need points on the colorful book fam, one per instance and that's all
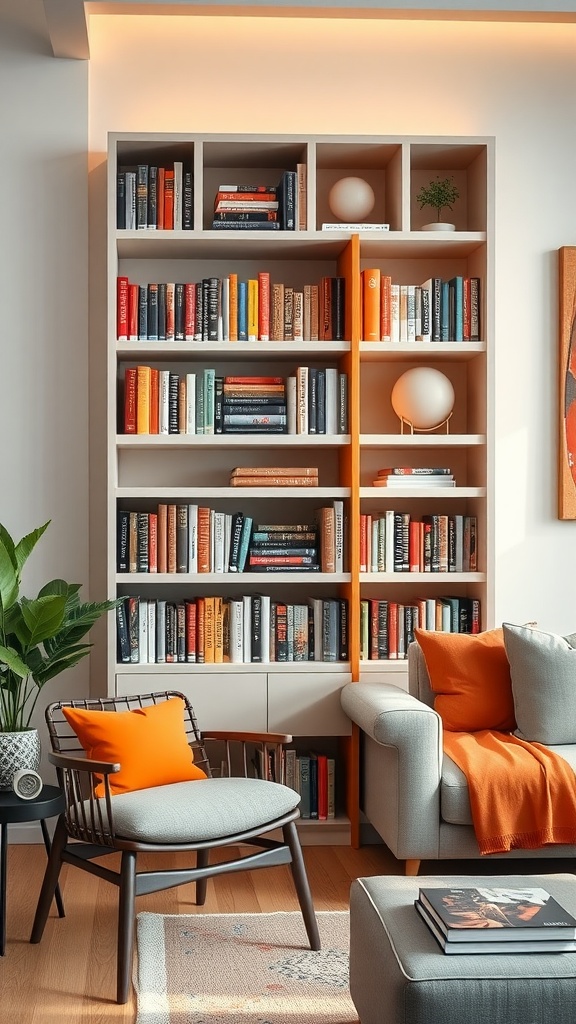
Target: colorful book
(501, 914)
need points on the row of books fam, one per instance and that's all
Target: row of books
(395, 541)
(496, 920)
(190, 538)
(249, 629)
(258, 207)
(149, 197)
(387, 627)
(312, 775)
(314, 400)
(229, 309)
(436, 310)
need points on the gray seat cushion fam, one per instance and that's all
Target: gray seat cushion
(208, 809)
(454, 797)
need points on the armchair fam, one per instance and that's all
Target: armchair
(194, 816)
(413, 794)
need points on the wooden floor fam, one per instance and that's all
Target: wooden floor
(69, 978)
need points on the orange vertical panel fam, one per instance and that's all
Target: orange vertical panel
(349, 268)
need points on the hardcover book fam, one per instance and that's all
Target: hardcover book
(514, 945)
(501, 914)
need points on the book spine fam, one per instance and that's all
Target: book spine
(130, 400)
(288, 321)
(188, 202)
(171, 541)
(123, 526)
(371, 288)
(142, 196)
(120, 200)
(264, 306)
(288, 186)
(122, 285)
(143, 400)
(182, 538)
(142, 313)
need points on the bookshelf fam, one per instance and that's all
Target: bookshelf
(145, 470)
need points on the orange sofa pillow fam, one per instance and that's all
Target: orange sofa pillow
(150, 743)
(471, 676)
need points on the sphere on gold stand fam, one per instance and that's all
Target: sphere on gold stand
(423, 399)
(351, 199)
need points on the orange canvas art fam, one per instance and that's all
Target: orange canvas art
(567, 362)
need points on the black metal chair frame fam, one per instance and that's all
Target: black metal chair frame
(86, 830)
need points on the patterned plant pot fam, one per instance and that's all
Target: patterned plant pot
(18, 750)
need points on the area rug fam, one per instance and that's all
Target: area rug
(242, 969)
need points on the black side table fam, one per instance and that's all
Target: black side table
(13, 809)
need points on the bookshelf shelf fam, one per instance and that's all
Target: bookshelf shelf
(274, 441)
(421, 440)
(434, 578)
(442, 493)
(232, 493)
(245, 579)
(143, 472)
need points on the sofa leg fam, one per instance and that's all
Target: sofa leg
(412, 867)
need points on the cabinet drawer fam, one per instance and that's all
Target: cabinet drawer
(235, 702)
(307, 703)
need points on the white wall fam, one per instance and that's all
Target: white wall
(44, 274)
(513, 81)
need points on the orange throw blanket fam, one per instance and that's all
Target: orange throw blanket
(522, 795)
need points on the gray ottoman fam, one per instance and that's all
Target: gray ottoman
(399, 974)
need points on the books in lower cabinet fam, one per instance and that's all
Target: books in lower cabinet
(487, 915)
(312, 775)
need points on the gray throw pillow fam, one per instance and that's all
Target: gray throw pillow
(543, 673)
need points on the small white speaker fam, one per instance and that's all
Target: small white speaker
(27, 784)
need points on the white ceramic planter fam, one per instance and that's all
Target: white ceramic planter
(18, 750)
(439, 225)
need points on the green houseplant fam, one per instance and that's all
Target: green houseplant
(39, 637)
(440, 194)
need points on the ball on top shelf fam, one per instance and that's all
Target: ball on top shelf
(351, 199)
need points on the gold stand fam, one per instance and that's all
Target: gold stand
(424, 430)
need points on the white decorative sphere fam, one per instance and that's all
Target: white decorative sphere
(351, 199)
(423, 397)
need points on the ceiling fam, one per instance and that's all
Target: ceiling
(68, 20)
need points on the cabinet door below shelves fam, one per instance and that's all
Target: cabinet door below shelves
(307, 703)
(233, 702)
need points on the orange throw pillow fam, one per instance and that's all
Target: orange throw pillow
(471, 676)
(150, 743)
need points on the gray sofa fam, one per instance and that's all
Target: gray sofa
(415, 797)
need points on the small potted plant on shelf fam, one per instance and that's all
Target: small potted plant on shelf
(440, 194)
(39, 638)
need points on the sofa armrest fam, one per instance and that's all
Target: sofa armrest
(389, 714)
(402, 766)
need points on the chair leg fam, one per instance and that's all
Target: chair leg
(50, 883)
(412, 867)
(202, 859)
(300, 877)
(126, 925)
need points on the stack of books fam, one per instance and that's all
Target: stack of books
(254, 405)
(497, 920)
(246, 207)
(414, 476)
(284, 548)
(274, 476)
